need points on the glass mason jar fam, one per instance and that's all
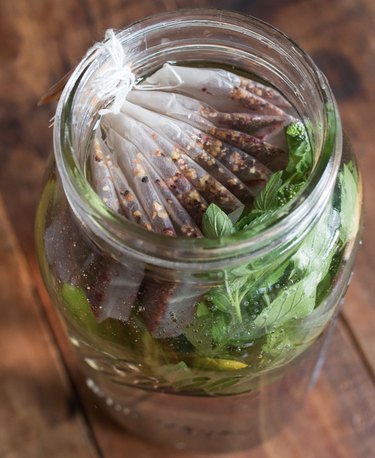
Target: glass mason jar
(138, 305)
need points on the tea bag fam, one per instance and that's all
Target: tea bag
(111, 287)
(183, 138)
(204, 149)
(207, 118)
(160, 204)
(200, 133)
(171, 145)
(160, 160)
(167, 313)
(222, 90)
(112, 186)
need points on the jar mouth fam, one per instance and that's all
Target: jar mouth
(141, 41)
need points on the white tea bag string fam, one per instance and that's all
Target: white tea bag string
(117, 80)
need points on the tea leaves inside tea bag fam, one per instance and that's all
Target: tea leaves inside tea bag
(183, 139)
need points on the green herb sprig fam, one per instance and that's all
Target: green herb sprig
(251, 304)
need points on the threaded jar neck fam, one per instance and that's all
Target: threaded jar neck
(208, 36)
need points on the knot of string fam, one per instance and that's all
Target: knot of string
(117, 79)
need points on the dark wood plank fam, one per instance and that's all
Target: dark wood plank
(38, 415)
(46, 44)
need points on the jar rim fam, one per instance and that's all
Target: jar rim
(166, 251)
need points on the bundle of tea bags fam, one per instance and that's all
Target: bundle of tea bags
(184, 137)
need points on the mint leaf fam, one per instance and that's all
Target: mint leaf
(312, 259)
(267, 198)
(348, 182)
(219, 329)
(288, 192)
(255, 222)
(292, 303)
(280, 348)
(216, 223)
(301, 157)
(228, 298)
(278, 344)
(220, 300)
(282, 186)
(318, 248)
(202, 309)
(76, 301)
(269, 293)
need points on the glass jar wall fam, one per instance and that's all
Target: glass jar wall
(192, 341)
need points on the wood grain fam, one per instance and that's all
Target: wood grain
(38, 415)
(39, 42)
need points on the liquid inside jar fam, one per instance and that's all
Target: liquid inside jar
(199, 150)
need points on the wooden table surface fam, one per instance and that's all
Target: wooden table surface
(45, 409)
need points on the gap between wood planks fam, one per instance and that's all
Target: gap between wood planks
(358, 347)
